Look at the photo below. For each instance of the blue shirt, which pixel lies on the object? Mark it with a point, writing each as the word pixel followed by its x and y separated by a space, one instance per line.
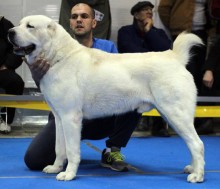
pixel 104 45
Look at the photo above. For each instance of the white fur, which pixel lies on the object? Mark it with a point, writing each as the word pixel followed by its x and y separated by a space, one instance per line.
pixel 90 83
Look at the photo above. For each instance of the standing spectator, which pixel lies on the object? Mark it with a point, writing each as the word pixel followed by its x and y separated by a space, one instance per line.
pixel 191 16
pixel 211 77
pixel 142 36
pixel 10 81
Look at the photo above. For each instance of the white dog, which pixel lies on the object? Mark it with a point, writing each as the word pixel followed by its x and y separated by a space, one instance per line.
pixel 89 83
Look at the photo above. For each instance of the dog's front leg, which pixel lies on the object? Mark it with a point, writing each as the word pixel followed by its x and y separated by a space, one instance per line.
pixel 72 132
pixel 59 148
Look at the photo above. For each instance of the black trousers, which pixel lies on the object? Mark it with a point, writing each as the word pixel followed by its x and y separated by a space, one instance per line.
pixel 118 129
pixel 12 83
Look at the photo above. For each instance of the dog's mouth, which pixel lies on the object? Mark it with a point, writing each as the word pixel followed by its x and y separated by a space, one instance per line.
pixel 24 50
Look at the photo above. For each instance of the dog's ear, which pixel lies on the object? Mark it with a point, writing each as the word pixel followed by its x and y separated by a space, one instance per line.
pixel 52 27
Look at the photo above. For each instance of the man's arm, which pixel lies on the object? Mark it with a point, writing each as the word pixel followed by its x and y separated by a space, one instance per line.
pixel 212 62
pixel 38 69
pixel 164 10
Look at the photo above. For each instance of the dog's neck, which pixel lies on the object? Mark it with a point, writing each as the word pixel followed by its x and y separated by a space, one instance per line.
pixel 56 51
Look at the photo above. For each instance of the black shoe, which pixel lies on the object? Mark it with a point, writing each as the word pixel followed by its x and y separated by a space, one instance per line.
pixel 160 133
pixel 114 160
pixel 205 128
pixel 143 124
pixel 160 130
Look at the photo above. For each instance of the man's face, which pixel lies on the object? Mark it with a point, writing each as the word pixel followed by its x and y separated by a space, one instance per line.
pixel 82 21
pixel 144 13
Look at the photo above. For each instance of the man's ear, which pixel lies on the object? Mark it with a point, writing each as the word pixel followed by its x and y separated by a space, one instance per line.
pixel 136 15
pixel 94 23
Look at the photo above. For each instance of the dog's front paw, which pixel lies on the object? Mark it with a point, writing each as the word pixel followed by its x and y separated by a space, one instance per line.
pixel 65 176
pixel 52 169
pixel 195 177
pixel 188 169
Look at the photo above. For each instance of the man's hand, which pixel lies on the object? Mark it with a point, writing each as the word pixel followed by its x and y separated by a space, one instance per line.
pixel 39 69
pixel 148 24
pixel 208 79
pixel 3 67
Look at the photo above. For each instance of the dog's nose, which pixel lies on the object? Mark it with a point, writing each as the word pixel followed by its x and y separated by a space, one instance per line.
pixel 11 33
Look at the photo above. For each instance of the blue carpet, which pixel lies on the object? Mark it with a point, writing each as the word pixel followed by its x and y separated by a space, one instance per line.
pixel 156 163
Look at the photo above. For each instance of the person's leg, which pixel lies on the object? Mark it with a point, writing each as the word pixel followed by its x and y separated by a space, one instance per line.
pixel 197 61
pixel 216 84
pixel 123 129
pixel 96 129
pixel 195 67
pixel 41 151
pixel 12 83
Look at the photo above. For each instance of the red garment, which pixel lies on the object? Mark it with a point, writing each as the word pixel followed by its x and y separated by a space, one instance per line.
pixel 214 9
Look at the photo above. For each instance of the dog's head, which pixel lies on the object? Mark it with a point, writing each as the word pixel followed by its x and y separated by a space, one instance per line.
pixel 32 36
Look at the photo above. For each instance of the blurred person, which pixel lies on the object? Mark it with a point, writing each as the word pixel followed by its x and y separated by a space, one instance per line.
pixel 143 36
pixel 212 66
pixel 191 16
pixel 211 76
pixel 10 81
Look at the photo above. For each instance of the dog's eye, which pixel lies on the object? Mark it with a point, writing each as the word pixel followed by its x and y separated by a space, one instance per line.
pixel 29 26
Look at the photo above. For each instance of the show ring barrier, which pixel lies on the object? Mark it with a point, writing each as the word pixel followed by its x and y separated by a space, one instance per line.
pixel 39 103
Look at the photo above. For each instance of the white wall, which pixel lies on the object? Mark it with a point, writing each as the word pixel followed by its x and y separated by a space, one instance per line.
pixel 14 10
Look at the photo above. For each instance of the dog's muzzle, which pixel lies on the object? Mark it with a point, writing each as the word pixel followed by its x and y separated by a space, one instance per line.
pixel 17 49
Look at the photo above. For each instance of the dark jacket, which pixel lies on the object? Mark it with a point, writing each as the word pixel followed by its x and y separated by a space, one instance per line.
pixel 130 40
pixel 7 57
pixel 213 59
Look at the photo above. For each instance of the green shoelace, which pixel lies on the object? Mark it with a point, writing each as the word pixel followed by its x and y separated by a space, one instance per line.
pixel 116 156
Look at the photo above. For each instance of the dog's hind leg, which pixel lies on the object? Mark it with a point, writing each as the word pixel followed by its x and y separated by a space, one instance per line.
pixel 180 117
pixel 59 148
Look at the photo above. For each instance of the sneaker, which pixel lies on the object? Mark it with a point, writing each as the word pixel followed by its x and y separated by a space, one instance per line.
pixel 160 130
pixel 143 124
pixel 4 127
pixel 114 160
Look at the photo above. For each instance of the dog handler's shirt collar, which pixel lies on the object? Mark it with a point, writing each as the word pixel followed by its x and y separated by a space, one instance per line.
pixel 104 45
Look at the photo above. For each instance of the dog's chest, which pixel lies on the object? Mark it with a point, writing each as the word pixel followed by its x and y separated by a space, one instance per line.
pixel 57 86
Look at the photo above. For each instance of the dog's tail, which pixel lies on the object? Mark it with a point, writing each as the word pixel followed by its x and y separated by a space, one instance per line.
pixel 183 44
